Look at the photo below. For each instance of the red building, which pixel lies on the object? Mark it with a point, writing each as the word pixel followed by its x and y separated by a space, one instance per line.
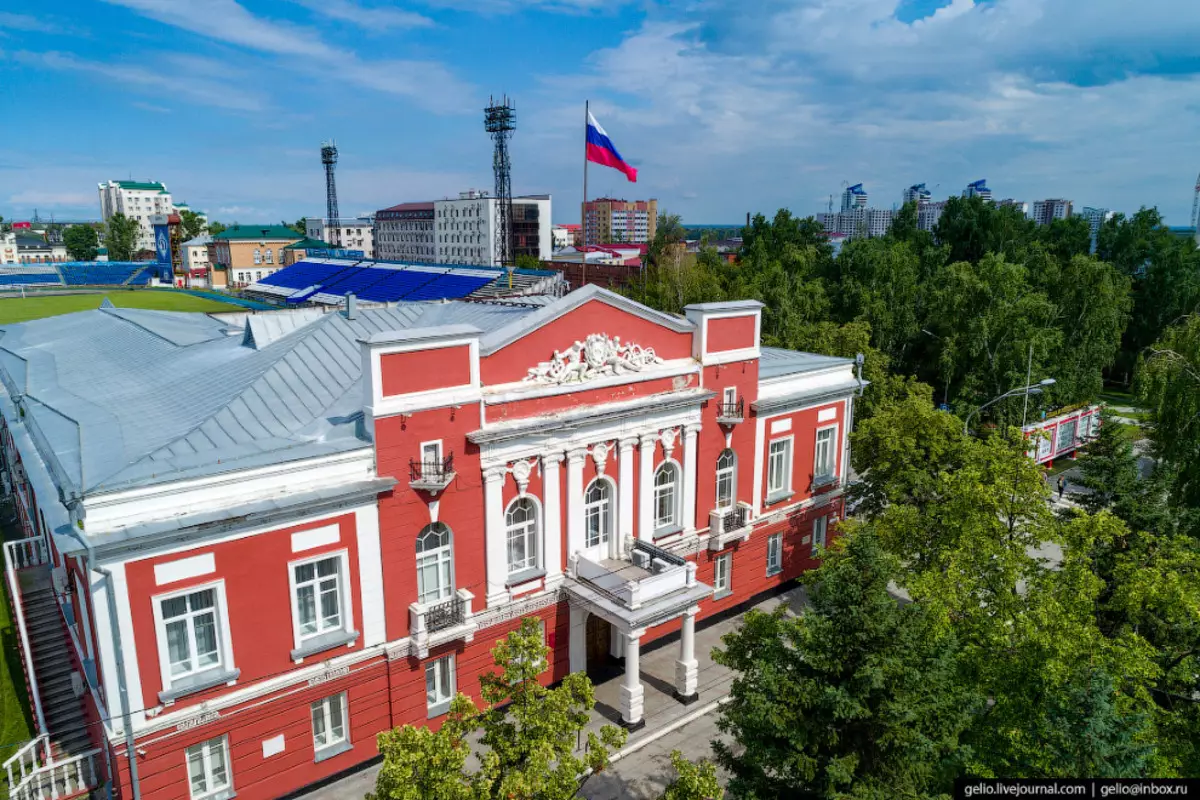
pixel 272 540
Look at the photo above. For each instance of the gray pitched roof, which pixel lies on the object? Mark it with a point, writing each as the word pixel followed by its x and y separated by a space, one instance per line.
pixel 775 362
pixel 118 398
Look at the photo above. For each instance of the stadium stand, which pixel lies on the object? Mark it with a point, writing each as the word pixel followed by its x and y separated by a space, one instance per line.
pixel 104 273
pixel 328 281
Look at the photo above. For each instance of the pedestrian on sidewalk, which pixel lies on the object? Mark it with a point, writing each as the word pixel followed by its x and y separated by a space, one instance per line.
pixel 1062 485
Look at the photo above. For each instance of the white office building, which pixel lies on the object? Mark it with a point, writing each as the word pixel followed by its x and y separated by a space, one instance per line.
pixel 465 228
pixel 347 233
pixel 1046 211
pixel 138 200
pixel 404 232
pixel 857 223
pixel 1095 218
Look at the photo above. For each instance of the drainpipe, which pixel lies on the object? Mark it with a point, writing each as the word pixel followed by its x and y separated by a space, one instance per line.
pixel 119 653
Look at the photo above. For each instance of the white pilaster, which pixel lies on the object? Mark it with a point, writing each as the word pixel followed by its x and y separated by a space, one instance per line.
pixel 370 574
pixel 645 528
pixel 760 455
pixel 497 561
pixel 687 670
pixel 632 692
pixel 575 500
pixel 691 436
pixel 578 640
pixel 552 557
pixel 625 493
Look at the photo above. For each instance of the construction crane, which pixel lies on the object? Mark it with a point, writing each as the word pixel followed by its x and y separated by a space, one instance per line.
pixel 1196 212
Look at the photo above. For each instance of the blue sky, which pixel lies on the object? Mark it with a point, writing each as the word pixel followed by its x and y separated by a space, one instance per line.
pixel 724 106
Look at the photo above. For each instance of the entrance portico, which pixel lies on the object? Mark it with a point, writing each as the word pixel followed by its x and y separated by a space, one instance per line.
pixel 651 588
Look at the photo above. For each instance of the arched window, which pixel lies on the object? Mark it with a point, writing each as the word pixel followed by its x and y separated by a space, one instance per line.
pixel 521 526
pixel 270 256
pixel 597 513
pixel 726 479
pixel 257 256
pixel 666 495
pixel 434 563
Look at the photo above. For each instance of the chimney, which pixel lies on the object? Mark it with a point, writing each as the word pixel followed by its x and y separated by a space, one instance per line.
pixel 351 306
pixel 747 219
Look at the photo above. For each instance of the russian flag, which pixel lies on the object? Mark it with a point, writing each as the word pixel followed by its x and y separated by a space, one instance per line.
pixel 600 150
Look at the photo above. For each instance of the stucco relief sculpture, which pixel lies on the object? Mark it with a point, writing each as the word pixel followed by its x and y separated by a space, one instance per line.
pixel 597 355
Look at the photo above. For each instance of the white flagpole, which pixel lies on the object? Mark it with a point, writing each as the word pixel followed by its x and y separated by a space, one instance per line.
pixel 583 208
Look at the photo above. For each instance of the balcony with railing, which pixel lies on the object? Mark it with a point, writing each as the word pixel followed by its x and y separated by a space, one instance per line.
pixel 727 525
pixel 640 585
pixel 434 624
pixel 431 476
pixel 731 413
pixel 823 484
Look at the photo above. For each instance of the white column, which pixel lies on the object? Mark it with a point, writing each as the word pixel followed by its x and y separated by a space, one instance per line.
pixel 575 460
pixel 625 493
pixel 552 558
pixel 631 686
pixel 645 529
pixel 493 509
pixel 687 670
pixel 691 436
pixel 370 575
pixel 578 642
pixel 760 455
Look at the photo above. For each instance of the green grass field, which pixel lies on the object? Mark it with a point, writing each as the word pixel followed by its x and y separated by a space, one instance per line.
pixel 19 309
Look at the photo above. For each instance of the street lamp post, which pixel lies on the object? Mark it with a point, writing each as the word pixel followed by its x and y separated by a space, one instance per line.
pixel 1036 388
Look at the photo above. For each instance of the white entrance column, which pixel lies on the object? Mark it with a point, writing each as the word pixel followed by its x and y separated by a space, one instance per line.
pixel 687 670
pixel 625 492
pixel 575 460
pixel 552 557
pixel 690 437
pixel 577 651
pixel 646 486
pixel 631 685
pixel 493 510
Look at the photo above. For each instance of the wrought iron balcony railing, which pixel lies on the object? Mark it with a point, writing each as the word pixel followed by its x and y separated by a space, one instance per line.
pixel 431 475
pixel 731 412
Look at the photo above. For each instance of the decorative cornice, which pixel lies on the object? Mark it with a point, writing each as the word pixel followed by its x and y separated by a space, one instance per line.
pixel 597 355
pixel 495 473
pixel 576 455
pixel 801 399
pixel 626 443
pixel 692 428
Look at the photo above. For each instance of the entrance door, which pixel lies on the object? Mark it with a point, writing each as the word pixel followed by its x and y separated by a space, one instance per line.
pixel 598 637
pixel 599 505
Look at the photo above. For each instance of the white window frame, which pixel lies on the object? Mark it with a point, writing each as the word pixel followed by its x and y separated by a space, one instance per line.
pixel 785 487
pixel 1073 426
pixel 531 531
pixel 345 609
pixel 666 524
pixel 732 473
pixel 821 539
pixel 443 667
pixel 775 554
pixel 833 440
pixel 607 519
pixel 443 554
pixel 729 395
pixel 224 641
pixel 722 576
pixel 332 746
pixel 214 793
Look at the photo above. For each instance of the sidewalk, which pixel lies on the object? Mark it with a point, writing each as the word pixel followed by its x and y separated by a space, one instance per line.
pixel 641 774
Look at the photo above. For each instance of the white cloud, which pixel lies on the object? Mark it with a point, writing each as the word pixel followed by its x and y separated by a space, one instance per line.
pixel 43 198
pixel 24 22
pixel 369 18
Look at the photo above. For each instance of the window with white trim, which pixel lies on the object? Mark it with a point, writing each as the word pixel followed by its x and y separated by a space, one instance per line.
pixel 435 563
pixel 775 554
pixel 722 585
pixel 779 467
pixel 726 479
pixel 820 528
pixel 190 625
pixel 521 530
pixel 666 493
pixel 330 725
pixel 729 396
pixel 208 769
pixel 597 513
pixel 824 460
pixel 439 685
pixel 318 593
pixel 257 256
pixel 1066 435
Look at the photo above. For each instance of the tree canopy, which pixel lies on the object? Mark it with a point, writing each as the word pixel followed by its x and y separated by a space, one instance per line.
pixel 121 237
pixel 81 242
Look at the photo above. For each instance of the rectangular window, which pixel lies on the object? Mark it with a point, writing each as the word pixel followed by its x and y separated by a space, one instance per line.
pixel 431 457
pixel 318 593
pixel 820 527
pixel 721 582
pixel 729 396
pixel 190 624
pixel 439 685
pixel 775 554
pixel 779 468
pixel 1066 435
pixel 208 769
pixel 823 463
pixel 330 725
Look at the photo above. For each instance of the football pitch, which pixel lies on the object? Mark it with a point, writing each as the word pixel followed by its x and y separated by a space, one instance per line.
pixel 18 309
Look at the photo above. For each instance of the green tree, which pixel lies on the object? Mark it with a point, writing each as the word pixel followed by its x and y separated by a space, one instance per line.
pixel 693 781
pixel 81 242
pixel 1111 475
pixel 859 696
pixel 524 261
pixel 878 281
pixel 669 235
pixel 529 733
pixel 120 237
pixel 1169 384
pixel 215 227
pixel 191 224
pixel 972 228
pixel 1066 238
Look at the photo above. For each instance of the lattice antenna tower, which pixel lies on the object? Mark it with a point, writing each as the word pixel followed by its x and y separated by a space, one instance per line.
pixel 329 154
pixel 1196 212
pixel 499 121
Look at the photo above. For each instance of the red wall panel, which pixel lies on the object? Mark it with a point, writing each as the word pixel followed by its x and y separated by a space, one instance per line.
pixel 422 370
pixel 730 333
pixel 804 443
pixel 534 406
